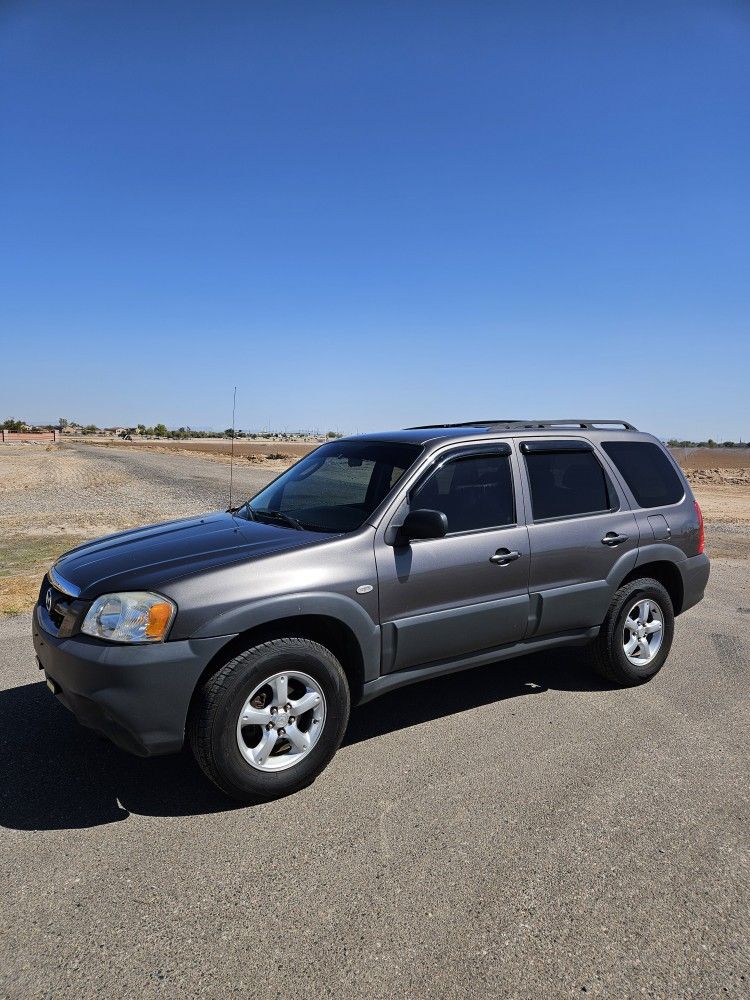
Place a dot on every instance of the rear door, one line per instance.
(443, 598)
(582, 534)
(661, 499)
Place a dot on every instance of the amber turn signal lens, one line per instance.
(158, 619)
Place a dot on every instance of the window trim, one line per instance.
(499, 449)
(539, 447)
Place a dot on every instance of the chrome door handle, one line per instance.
(612, 538)
(504, 556)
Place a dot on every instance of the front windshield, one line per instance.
(335, 488)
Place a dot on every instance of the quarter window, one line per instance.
(474, 492)
(647, 471)
(566, 483)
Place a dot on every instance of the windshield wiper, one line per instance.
(278, 515)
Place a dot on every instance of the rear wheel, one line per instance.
(270, 720)
(636, 636)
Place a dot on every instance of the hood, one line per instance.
(149, 558)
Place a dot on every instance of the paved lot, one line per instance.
(516, 831)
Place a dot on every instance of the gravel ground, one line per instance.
(97, 486)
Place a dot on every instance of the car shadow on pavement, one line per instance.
(55, 774)
(559, 670)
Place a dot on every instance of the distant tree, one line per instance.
(62, 422)
(334, 434)
(13, 425)
(141, 428)
(160, 430)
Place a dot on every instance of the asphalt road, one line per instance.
(516, 831)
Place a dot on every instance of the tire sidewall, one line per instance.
(238, 776)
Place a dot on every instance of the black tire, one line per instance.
(607, 654)
(212, 727)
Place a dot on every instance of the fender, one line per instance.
(263, 612)
(661, 552)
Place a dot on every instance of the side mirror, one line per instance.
(418, 524)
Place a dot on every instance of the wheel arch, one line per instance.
(329, 631)
(666, 573)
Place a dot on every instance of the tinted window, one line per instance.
(647, 471)
(564, 483)
(337, 486)
(473, 492)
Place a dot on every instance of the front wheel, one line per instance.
(270, 720)
(636, 636)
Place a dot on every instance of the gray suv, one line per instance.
(374, 562)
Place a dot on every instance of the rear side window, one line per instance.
(566, 483)
(647, 471)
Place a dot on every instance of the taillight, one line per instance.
(701, 532)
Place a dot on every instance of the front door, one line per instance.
(444, 598)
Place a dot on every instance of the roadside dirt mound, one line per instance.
(719, 477)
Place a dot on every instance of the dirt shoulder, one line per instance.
(724, 494)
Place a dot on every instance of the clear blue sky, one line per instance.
(371, 215)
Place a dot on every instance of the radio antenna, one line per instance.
(231, 454)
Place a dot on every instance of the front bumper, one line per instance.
(137, 696)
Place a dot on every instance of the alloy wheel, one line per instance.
(281, 721)
(643, 632)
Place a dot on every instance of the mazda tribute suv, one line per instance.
(375, 562)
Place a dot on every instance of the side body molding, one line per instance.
(331, 605)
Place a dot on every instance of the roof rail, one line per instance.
(587, 424)
(465, 423)
(581, 424)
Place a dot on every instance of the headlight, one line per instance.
(131, 617)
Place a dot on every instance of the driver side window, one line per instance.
(473, 491)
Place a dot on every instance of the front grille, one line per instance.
(58, 603)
